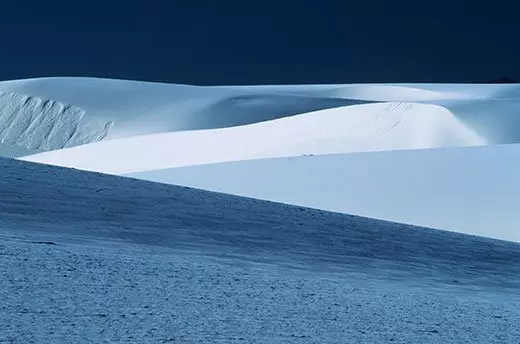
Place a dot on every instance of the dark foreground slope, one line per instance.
(89, 258)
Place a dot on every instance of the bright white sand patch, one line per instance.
(360, 128)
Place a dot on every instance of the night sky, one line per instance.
(257, 42)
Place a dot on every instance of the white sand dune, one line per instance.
(92, 257)
(95, 258)
(360, 128)
(29, 125)
(469, 190)
(124, 109)
(149, 129)
(139, 108)
(496, 119)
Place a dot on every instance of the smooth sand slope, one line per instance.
(87, 257)
(470, 190)
(139, 108)
(119, 108)
(137, 128)
(360, 128)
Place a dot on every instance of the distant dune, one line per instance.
(148, 130)
(469, 190)
(92, 257)
(360, 128)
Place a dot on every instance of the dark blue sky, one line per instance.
(249, 42)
